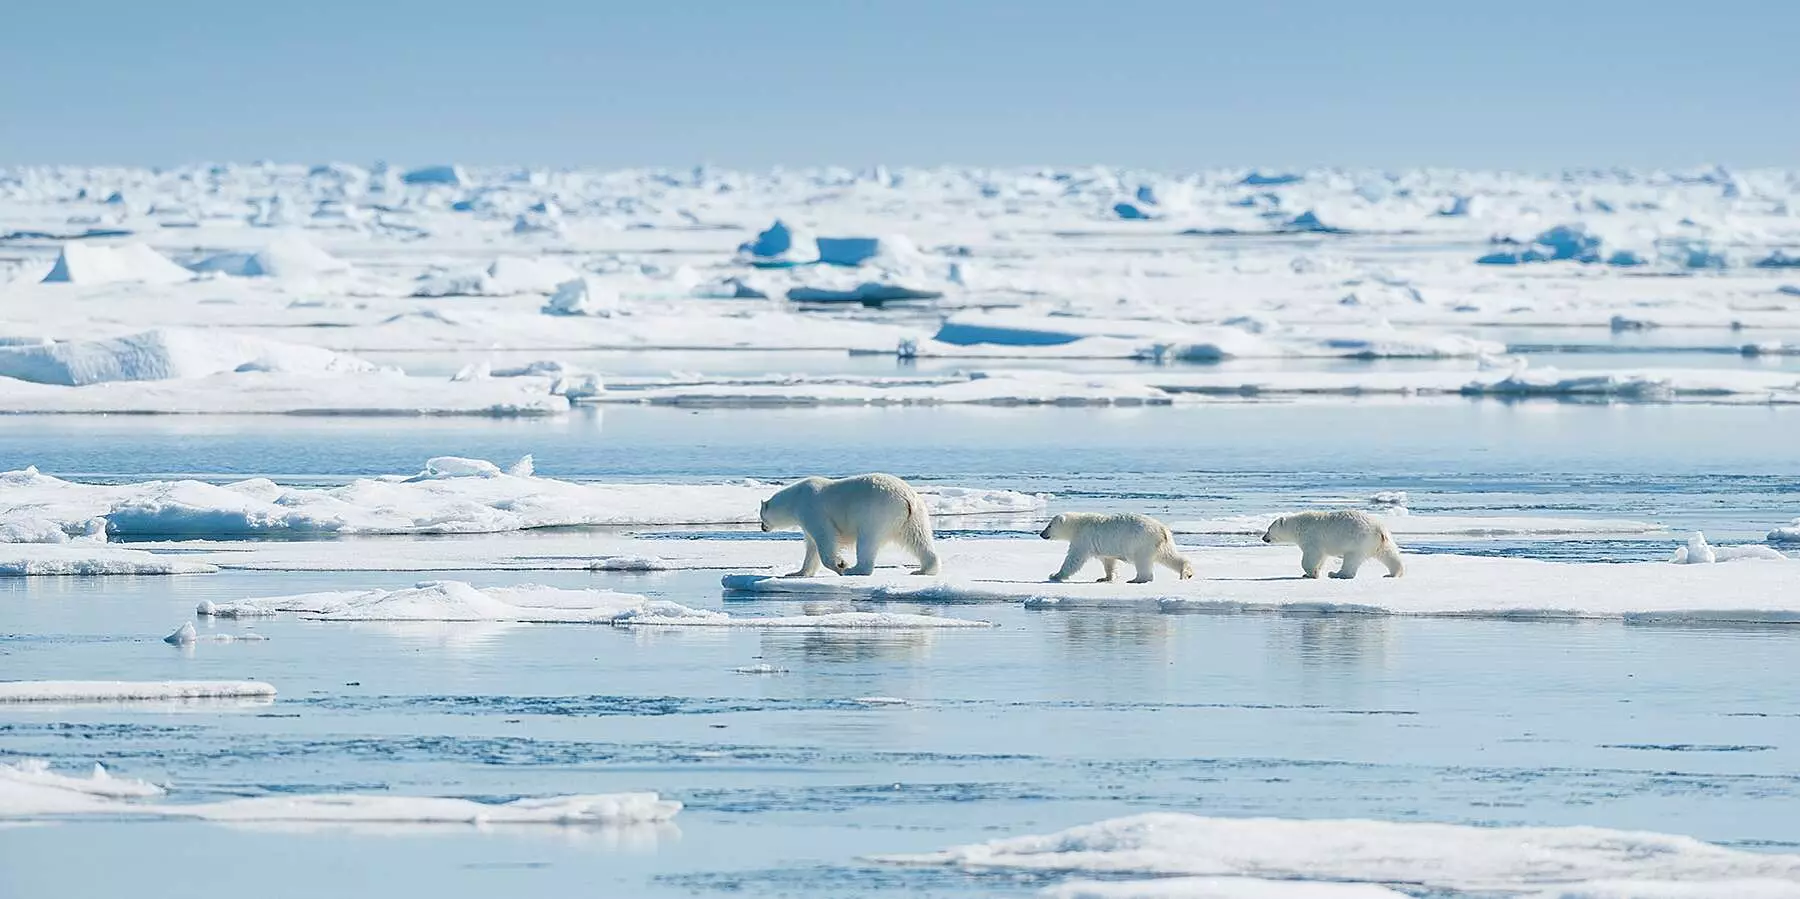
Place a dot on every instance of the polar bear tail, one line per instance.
(1388, 554)
(915, 536)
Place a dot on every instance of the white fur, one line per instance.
(869, 510)
(1142, 540)
(1354, 536)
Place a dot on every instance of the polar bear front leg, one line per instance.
(867, 545)
(1312, 561)
(1111, 565)
(1352, 561)
(1072, 563)
(809, 566)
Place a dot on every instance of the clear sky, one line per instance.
(1175, 84)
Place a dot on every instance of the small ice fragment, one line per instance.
(183, 636)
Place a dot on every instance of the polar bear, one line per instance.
(870, 510)
(1127, 535)
(1355, 536)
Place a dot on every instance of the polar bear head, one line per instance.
(1057, 529)
(1280, 531)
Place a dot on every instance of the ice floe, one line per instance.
(1789, 533)
(1698, 552)
(451, 496)
(29, 789)
(250, 392)
(57, 691)
(1402, 522)
(88, 558)
(167, 353)
(533, 604)
(288, 256)
(1553, 861)
(1265, 580)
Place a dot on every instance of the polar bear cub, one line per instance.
(869, 510)
(1354, 536)
(1141, 539)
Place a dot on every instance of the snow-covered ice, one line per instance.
(1266, 579)
(28, 789)
(167, 353)
(1432, 856)
(88, 558)
(130, 691)
(450, 496)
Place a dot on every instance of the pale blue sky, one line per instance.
(1158, 83)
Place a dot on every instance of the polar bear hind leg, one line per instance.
(1312, 561)
(868, 545)
(914, 536)
(1146, 568)
(1111, 566)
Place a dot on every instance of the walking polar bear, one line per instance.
(869, 510)
(1355, 536)
(1144, 541)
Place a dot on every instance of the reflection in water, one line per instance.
(1333, 641)
(846, 645)
(449, 636)
(1112, 633)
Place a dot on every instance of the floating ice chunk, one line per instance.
(81, 263)
(1435, 857)
(1696, 551)
(1459, 206)
(130, 691)
(581, 296)
(452, 175)
(1787, 534)
(852, 251)
(781, 245)
(29, 789)
(183, 636)
(289, 256)
(167, 353)
(1563, 242)
(630, 563)
(1135, 211)
(187, 635)
(764, 668)
(25, 526)
(1778, 259)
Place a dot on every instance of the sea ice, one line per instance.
(451, 496)
(167, 353)
(1435, 857)
(1264, 579)
(28, 789)
(87, 558)
(288, 256)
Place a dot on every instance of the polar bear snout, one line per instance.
(766, 528)
(1266, 537)
(1045, 533)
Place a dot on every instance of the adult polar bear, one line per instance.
(1142, 540)
(1355, 536)
(870, 510)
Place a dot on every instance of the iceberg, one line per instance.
(290, 256)
(81, 263)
